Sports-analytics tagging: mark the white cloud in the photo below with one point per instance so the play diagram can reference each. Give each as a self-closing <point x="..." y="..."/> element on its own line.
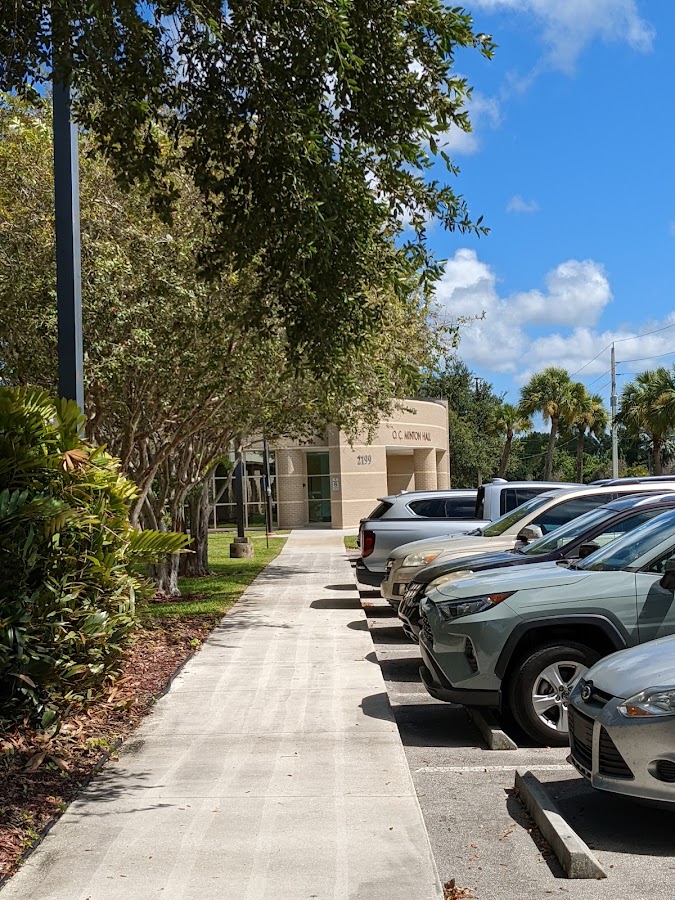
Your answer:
<point x="484" y="112"/>
<point x="517" y="205"/>
<point x="568" y="26"/>
<point x="507" y="337"/>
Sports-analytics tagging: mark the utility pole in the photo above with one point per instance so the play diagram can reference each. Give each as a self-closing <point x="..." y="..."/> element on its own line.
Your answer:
<point x="67" y="226"/>
<point x="615" y="438"/>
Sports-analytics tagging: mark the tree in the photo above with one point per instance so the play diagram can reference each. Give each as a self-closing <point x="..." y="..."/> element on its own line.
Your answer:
<point x="308" y="127"/>
<point x="474" y="446"/>
<point x="547" y="393"/>
<point x="647" y="406"/>
<point x="172" y="372"/>
<point x="509" y="421"/>
<point x="586" y="414"/>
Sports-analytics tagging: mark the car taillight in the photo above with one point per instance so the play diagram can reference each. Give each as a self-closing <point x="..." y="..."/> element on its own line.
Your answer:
<point x="367" y="543"/>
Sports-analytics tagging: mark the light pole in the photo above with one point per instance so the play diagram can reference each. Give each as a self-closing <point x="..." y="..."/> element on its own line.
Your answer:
<point x="67" y="227"/>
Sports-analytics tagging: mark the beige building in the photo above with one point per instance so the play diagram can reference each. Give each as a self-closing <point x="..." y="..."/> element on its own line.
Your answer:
<point x="330" y="482"/>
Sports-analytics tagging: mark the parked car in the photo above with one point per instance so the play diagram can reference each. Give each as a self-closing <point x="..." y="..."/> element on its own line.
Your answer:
<point x="405" y="518"/>
<point x="528" y="522"/>
<point x="577" y="539"/>
<point x="520" y="638"/>
<point x="622" y="721"/>
<point x="407" y="514"/>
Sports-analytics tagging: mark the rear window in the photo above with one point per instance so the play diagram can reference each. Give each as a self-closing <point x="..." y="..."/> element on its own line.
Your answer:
<point x="513" y="497"/>
<point x="380" y="510"/>
<point x="443" y="508"/>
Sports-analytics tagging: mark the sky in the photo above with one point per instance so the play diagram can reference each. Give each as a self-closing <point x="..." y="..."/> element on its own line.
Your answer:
<point x="570" y="162"/>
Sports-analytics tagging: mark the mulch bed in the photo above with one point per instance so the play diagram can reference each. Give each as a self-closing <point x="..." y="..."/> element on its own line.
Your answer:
<point x="39" y="776"/>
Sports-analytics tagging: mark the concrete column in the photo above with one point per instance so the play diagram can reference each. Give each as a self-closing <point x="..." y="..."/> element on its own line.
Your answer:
<point x="292" y="488"/>
<point x="426" y="478"/>
<point x="443" y="469"/>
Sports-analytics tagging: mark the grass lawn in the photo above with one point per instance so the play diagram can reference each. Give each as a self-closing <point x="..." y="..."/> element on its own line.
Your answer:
<point x="350" y="542"/>
<point x="213" y="596"/>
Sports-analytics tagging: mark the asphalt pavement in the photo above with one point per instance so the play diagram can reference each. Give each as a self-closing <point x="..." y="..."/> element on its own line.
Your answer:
<point x="480" y="834"/>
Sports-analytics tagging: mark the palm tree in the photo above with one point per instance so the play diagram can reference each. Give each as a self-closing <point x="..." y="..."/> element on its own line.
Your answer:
<point x="648" y="407"/>
<point x="507" y="422"/>
<point x="547" y="393"/>
<point x="585" y="413"/>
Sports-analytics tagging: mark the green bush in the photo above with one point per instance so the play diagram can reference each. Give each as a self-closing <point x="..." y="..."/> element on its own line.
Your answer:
<point x="67" y="558"/>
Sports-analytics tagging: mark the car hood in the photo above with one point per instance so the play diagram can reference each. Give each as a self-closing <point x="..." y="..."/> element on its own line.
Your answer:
<point x="468" y="563"/>
<point x="442" y="542"/>
<point x="628" y="672"/>
<point x="538" y="576"/>
<point x="470" y="545"/>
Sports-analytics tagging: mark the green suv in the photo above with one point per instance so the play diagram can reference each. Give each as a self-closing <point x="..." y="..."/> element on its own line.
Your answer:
<point x="519" y="638"/>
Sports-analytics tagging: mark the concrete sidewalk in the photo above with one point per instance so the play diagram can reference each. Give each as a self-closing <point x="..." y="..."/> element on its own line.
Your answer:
<point x="272" y="769"/>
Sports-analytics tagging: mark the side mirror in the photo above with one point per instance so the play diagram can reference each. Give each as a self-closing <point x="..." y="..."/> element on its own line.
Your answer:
<point x="586" y="550"/>
<point x="530" y="533"/>
<point x="668" y="580"/>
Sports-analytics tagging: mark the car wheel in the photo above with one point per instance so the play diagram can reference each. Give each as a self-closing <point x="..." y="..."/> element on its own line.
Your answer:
<point x="540" y="689"/>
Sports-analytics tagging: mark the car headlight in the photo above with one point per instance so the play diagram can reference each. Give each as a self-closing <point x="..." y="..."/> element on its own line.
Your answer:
<point x="455" y="609"/>
<point x="447" y="578"/>
<point x="422" y="557"/>
<point x="649" y="703"/>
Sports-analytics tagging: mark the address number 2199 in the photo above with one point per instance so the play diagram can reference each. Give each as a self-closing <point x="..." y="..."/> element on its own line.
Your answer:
<point x="364" y="460"/>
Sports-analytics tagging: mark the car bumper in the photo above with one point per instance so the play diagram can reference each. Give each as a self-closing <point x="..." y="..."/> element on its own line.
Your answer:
<point x="396" y="583"/>
<point x="366" y="577"/>
<point x="440" y="688"/>
<point x="409" y="614"/>
<point x="633" y="757"/>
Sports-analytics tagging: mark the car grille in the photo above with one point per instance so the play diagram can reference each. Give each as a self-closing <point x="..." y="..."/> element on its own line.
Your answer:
<point x="411" y="602"/>
<point x="611" y="762"/>
<point x="581" y="738"/>
<point x="425" y="631"/>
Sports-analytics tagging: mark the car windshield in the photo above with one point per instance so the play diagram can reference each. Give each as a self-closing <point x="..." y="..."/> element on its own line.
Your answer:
<point x="562" y="536"/>
<point x="620" y="554"/>
<point x="500" y="525"/>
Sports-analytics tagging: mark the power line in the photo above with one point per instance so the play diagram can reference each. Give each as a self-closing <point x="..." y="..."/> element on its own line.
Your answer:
<point x="591" y="383"/>
<point x="642" y="358"/>
<point x="646" y="334"/>
<point x="590" y="361"/>
<point x="633" y="337"/>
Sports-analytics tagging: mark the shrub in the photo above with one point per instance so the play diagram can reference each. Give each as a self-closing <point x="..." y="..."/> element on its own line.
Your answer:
<point x="68" y="557"/>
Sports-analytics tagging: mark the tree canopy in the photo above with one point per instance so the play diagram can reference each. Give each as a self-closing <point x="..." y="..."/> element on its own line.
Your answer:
<point x="308" y="127"/>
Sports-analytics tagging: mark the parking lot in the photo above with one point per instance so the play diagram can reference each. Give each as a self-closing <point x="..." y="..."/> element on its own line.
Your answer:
<point x="480" y="834"/>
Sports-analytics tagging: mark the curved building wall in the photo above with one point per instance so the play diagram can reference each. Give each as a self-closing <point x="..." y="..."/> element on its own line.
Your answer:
<point x="331" y="482"/>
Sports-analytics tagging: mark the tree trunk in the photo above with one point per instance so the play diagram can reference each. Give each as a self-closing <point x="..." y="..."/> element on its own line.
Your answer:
<point x="580" y="456"/>
<point x="166" y="576"/>
<point x="658" y="463"/>
<point x="506" y="452"/>
<point x="196" y="564"/>
<point x="551" y="445"/>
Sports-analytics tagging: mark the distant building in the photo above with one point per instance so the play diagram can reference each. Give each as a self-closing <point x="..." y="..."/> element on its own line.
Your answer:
<point x="329" y="482"/>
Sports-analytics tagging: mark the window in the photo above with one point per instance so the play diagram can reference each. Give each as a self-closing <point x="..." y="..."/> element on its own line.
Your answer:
<point x="433" y="508"/>
<point x="460" y="507"/>
<point x="620" y="554"/>
<point x="380" y="510"/>
<point x="511" y="498"/>
<point x="566" y="511"/>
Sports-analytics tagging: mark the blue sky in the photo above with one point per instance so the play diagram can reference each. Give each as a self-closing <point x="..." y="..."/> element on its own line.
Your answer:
<point x="570" y="161"/>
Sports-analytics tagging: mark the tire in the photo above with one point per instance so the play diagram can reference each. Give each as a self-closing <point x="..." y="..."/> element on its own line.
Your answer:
<point x="546" y="722"/>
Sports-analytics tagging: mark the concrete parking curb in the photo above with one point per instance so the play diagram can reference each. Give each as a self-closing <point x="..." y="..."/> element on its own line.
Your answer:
<point x="494" y="737"/>
<point x="576" y="858"/>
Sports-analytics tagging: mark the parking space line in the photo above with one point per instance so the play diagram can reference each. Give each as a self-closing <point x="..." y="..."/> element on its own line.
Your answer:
<point x="430" y="770"/>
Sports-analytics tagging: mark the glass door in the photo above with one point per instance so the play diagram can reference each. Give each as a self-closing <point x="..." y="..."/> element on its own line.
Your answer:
<point x="318" y="487"/>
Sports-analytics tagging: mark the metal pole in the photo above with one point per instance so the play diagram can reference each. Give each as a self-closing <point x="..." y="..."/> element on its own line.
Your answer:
<point x="67" y="226"/>
<point x="239" y="493"/>
<point x="268" y="486"/>
<point x="615" y="438"/>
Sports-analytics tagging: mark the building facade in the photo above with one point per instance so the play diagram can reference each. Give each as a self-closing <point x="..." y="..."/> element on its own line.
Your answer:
<point x="331" y="482"/>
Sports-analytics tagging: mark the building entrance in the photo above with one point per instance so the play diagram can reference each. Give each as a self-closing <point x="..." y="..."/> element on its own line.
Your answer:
<point x="318" y="487"/>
